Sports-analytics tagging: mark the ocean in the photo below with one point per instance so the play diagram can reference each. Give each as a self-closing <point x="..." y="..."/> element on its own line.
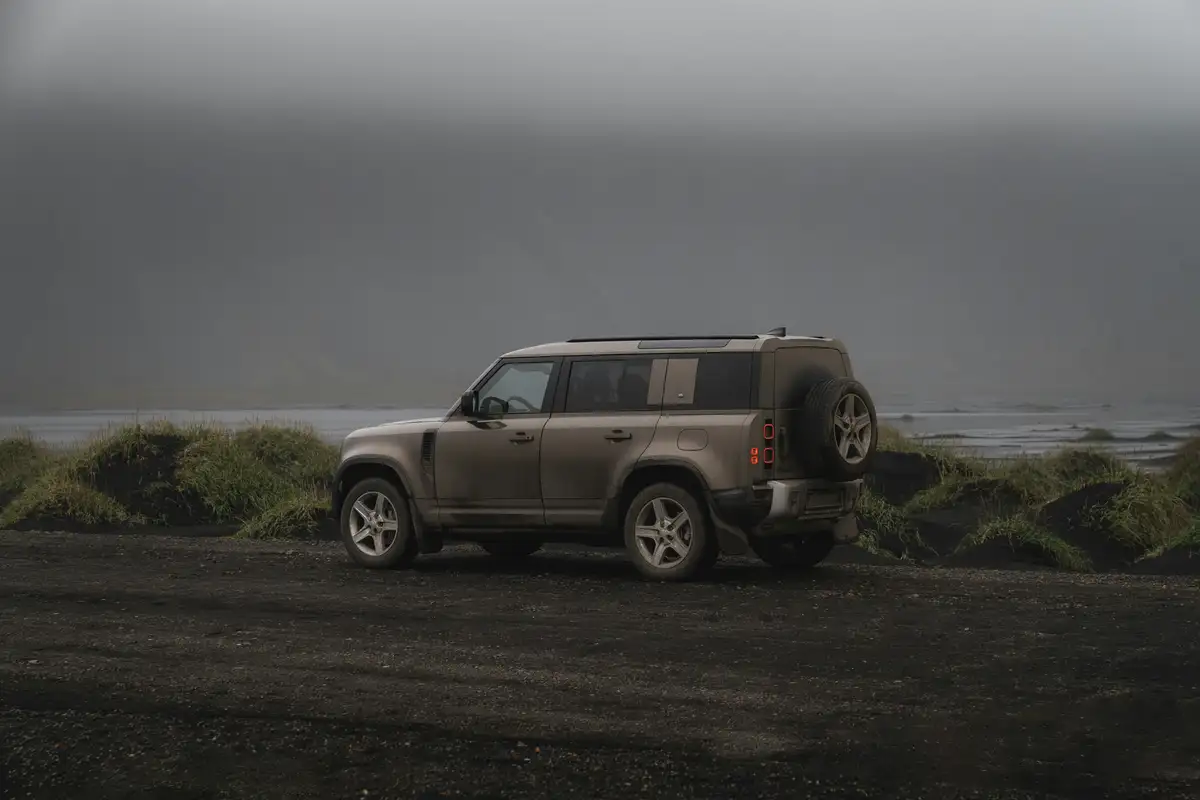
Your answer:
<point x="1147" y="433"/>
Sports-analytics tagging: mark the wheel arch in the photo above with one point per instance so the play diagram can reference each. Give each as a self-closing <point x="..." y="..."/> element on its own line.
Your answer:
<point x="359" y="468"/>
<point x="652" y="471"/>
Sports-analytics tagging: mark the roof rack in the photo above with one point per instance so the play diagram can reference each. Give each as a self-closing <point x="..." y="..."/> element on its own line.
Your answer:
<point x="659" y="338"/>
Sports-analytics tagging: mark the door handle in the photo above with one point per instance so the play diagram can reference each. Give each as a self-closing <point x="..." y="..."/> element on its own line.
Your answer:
<point x="520" y="438"/>
<point x="618" y="436"/>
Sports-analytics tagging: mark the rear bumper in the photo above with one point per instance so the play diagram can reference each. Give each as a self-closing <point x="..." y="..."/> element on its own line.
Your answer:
<point x="783" y="504"/>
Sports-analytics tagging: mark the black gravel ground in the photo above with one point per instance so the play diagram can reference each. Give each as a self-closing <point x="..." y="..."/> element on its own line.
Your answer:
<point x="154" y="667"/>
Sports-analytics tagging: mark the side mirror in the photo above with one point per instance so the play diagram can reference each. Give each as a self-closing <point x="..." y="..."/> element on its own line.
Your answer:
<point x="469" y="405"/>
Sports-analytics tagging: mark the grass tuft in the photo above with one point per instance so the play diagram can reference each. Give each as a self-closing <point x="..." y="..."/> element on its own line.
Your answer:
<point x="1145" y="515"/>
<point x="57" y="498"/>
<point x="1026" y="536"/>
<point x="297" y="516"/>
<point x="1184" y="474"/>
<point x="22" y="459"/>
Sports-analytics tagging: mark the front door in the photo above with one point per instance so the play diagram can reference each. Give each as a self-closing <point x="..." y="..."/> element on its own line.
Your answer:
<point x="608" y="418"/>
<point x="486" y="472"/>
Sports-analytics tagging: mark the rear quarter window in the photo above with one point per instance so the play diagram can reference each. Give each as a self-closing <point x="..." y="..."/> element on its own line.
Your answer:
<point x="710" y="382"/>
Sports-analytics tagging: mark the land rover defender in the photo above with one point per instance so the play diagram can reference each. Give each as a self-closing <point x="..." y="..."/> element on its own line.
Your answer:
<point x="677" y="448"/>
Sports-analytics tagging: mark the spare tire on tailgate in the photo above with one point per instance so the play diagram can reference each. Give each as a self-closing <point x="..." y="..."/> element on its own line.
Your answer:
<point x="838" y="430"/>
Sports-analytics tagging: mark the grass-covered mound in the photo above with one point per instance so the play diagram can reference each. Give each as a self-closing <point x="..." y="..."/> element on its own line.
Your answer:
<point x="22" y="460"/>
<point x="163" y="475"/>
<point x="1080" y="509"/>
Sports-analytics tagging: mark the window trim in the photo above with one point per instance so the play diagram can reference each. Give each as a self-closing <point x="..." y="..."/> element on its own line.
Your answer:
<point x="547" y="400"/>
<point x="560" y="397"/>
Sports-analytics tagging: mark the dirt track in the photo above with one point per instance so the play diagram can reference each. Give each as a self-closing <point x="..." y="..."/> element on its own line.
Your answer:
<point x="156" y="667"/>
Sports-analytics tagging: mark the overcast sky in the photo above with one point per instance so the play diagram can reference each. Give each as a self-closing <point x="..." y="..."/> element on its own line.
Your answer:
<point x="278" y="201"/>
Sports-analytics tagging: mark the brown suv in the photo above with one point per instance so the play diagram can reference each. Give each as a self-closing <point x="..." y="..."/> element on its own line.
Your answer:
<point x="678" y="448"/>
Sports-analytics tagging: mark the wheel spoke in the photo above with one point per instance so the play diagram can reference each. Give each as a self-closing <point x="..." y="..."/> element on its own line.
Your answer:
<point x="679" y="547"/>
<point x="660" y="510"/>
<point x="363" y="533"/>
<point x="660" y="549"/>
<point x="388" y="525"/>
<point x="844" y="445"/>
<point x="381" y="505"/>
<point x="361" y="509"/>
<point x="646" y="532"/>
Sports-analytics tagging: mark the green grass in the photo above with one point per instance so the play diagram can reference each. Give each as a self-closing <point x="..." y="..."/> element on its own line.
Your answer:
<point x="57" y="498"/>
<point x="1145" y="515"/>
<point x="1020" y="482"/>
<point x="160" y="473"/>
<point x="22" y="460"/>
<point x="1149" y="512"/>
<point x="1184" y="474"/>
<point x="1024" y="535"/>
<point x="295" y="516"/>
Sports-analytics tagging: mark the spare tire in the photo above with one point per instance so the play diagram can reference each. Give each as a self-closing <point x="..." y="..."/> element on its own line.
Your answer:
<point x="838" y="430"/>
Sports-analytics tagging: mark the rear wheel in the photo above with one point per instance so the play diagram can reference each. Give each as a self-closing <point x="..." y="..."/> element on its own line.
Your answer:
<point x="667" y="534"/>
<point x="511" y="549"/>
<point x="375" y="526"/>
<point x="795" y="552"/>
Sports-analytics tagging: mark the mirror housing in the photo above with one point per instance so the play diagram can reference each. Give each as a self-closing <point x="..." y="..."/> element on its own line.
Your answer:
<point x="469" y="405"/>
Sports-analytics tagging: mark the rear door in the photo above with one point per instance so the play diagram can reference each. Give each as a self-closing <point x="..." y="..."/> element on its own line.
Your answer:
<point x="798" y="368"/>
<point x="604" y="418"/>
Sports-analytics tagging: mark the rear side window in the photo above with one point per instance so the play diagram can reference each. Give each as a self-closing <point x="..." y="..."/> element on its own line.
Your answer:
<point x="621" y="384"/>
<point x="710" y="382"/>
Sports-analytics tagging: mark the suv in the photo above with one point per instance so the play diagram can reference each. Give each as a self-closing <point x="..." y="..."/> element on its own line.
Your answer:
<point x="677" y="448"/>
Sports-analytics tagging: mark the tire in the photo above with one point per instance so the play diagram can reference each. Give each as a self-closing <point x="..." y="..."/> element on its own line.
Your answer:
<point x="794" y="553"/>
<point x="516" y="549"/>
<point x="822" y="430"/>
<point x="398" y="549"/>
<point x="696" y="535"/>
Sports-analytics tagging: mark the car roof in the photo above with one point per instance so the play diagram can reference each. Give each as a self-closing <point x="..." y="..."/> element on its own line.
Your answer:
<point x="649" y="345"/>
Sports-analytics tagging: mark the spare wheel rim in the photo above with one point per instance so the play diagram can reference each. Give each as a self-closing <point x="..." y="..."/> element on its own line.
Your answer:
<point x="852" y="429"/>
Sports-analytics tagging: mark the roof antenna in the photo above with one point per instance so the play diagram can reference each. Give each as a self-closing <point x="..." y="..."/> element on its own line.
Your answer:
<point x="780" y="331"/>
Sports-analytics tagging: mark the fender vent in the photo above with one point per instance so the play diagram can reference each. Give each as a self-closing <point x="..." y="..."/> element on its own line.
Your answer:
<point x="427" y="448"/>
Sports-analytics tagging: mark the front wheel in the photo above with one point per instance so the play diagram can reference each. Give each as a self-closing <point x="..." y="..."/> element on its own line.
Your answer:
<point x="794" y="553"/>
<point x="511" y="549"/>
<point x="375" y="526"/>
<point x="667" y="535"/>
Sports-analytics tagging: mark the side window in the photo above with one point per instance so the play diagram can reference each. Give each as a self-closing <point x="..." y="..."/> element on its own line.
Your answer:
<point x="620" y="384"/>
<point x="518" y="387"/>
<point x="710" y="382"/>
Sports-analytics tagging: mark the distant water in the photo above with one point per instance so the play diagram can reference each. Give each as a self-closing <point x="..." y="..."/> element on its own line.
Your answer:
<point x="1141" y="434"/>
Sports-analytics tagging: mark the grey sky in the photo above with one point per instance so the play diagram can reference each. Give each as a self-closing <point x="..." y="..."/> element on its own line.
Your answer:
<point x="274" y="202"/>
<point x="754" y="63"/>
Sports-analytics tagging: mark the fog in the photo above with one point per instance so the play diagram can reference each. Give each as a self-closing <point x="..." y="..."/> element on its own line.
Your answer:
<point x="270" y="203"/>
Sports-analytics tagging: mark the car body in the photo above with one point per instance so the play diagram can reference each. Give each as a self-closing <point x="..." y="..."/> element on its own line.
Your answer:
<point x="761" y="441"/>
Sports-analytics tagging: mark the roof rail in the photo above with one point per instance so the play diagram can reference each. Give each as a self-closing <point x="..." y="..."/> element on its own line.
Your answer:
<point x="659" y="338"/>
